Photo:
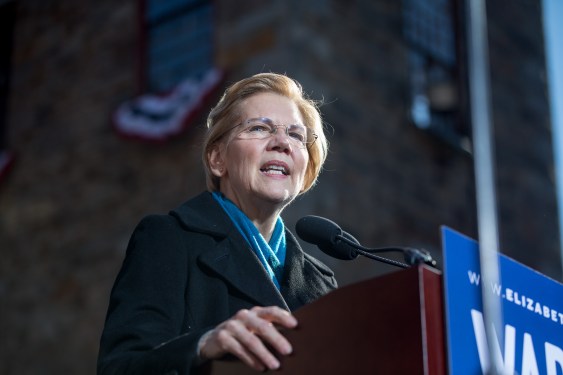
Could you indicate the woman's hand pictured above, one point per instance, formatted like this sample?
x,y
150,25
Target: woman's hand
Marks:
x,y
247,335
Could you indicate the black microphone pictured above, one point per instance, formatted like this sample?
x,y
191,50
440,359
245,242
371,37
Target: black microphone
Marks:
x,y
325,234
332,240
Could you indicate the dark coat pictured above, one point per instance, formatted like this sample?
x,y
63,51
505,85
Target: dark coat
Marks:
x,y
183,274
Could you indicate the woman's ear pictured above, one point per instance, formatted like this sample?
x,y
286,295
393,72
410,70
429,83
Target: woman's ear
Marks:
x,y
216,161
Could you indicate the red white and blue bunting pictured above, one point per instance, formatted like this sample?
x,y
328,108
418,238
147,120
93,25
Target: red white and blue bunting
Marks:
x,y
158,117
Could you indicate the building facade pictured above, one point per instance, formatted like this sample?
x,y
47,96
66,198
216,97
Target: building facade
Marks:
x,y
391,106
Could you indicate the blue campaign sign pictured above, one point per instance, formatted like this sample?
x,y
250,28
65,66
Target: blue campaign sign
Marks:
x,y
531,341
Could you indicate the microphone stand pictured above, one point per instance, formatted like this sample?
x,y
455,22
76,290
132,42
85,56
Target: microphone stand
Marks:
x,y
413,256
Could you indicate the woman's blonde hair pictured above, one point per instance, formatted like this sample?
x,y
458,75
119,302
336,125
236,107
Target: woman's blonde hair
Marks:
x,y
226,114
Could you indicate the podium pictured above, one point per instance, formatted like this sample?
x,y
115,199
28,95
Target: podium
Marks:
x,y
393,324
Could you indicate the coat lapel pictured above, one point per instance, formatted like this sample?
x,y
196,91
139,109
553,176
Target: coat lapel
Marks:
x,y
235,262
231,259
294,286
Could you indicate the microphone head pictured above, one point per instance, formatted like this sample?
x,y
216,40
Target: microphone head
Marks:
x,y
323,233
317,230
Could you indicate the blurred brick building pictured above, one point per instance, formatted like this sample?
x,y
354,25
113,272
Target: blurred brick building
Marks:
x,y
394,103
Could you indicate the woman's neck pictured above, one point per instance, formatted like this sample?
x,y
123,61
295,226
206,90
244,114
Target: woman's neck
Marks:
x,y
262,214
265,227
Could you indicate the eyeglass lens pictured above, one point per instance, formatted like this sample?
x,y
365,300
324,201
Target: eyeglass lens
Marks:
x,y
263,128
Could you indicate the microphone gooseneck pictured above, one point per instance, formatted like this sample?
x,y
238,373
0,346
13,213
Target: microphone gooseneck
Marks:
x,y
333,241
369,253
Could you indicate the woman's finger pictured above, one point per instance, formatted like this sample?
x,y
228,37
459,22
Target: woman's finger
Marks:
x,y
249,335
269,334
255,346
259,321
276,315
231,344
234,337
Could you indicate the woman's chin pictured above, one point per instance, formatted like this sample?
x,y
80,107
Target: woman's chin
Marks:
x,y
279,198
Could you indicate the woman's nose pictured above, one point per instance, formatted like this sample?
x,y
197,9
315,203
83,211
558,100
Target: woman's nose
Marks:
x,y
280,139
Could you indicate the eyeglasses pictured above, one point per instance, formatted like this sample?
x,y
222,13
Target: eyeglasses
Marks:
x,y
262,128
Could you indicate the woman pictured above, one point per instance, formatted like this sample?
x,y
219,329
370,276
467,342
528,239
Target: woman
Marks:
x,y
220,274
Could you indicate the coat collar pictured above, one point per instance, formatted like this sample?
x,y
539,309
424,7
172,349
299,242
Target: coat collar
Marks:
x,y
231,258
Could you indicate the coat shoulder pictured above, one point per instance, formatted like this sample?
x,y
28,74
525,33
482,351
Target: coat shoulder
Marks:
x,y
323,268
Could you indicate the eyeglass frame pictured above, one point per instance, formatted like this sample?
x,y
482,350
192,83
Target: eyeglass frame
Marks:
x,y
274,128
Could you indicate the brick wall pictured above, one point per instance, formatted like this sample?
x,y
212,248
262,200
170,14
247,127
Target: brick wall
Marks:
x,y
526,176
77,190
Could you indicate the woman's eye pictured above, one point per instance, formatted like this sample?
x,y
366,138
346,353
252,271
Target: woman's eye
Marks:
x,y
297,132
258,128
297,136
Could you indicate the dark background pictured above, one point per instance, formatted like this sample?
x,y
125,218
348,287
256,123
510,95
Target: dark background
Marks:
x,y
76,189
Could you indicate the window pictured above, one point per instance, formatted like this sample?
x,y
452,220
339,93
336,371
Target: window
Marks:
x,y
177,73
435,84
177,41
